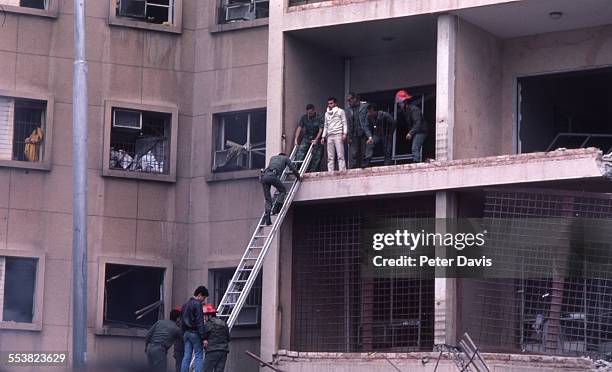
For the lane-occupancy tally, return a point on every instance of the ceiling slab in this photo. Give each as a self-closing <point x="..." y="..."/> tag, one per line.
<point x="530" y="17"/>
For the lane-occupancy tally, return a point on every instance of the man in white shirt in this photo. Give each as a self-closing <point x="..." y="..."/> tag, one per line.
<point x="334" y="131"/>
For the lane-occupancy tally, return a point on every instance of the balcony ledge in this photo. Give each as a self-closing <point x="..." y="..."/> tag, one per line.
<point x="456" y="174"/>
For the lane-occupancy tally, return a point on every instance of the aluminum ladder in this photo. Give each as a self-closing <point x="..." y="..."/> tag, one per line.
<point x="252" y="260"/>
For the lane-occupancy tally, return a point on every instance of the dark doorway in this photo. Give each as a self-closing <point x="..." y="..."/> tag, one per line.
<point x="425" y="98"/>
<point x="570" y="110"/>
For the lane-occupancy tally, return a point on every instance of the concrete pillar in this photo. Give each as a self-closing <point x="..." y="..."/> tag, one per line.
<point x="445" y="307"/>
<point x="445" y="86"/>
<point x="270" y="319"/>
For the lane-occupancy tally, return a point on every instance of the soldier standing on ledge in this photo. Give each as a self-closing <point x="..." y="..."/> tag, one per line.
<point x="309" y="132"/>
<point x="412" y="117"/>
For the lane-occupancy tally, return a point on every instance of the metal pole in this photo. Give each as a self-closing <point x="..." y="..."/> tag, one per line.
<point x="79" y="190"/>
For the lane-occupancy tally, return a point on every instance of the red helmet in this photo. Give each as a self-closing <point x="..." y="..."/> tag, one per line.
<point x="401" y="96"/>
<point x="209" y="309"/>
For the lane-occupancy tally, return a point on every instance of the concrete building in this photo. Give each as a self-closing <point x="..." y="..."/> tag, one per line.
<point x="187" y="100"/>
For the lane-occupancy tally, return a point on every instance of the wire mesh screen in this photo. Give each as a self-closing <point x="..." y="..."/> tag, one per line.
<point x="568" y="309"/>
<point x="336" y="307"/>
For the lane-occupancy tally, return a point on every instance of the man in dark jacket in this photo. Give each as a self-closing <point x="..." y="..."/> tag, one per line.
<point x="179" y="345"/>
<point x="193" y="326"/>
<point x="163" y="334"/>
<point x="271" y="177"/>
<point x="216" y="341"/>
<point x="412" y="117"/>
<point x="356" y="113"/>
<point x="381" y="126"/>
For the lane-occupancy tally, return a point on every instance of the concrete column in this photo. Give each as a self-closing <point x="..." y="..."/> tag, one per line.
<point x="270" y="319"/>
<point x="445" y="308"/>
<point x="445" y="86"/>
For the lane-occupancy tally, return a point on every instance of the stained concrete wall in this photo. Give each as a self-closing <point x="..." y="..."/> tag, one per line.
<point x="384" y="72"/>
<point x="230" y="74"/>
<point x="544" y="54"/>
<point x="195" y="223"/>
<point x="311" y="76"/>
<point x="127" y="219"/>
<point x="478" y="72"/>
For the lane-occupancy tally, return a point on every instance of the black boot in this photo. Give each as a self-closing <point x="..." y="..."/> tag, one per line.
<point x="277" y="208"/>
<point x="267" y="219"/>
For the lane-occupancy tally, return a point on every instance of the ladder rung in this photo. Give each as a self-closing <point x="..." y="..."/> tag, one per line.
<point x="233" y="292"/>
<point x="251" y="258"/>
<point x="255" y="247"/>
<point x="245" y="269"/>
<point x="260" y="236"/>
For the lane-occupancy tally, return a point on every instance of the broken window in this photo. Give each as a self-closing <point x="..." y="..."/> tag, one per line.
<point x="37" y="4"/>
<point x="152" y="11"/>
<point x="133" y="295"/>
<point x="240" y="141"/>
<point x="140" y="141"/>
<point x="565" y="110"/>
<point x="17" y="288"/>
<point x="243" y="10"/>
<point x="561" y="300"/>
<point x="22" y="129"/>
<point x="250" y="315"/>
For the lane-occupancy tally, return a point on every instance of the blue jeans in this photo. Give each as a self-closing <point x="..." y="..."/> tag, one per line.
<point x="193" y="343"/>
<point x="417" y="145"/>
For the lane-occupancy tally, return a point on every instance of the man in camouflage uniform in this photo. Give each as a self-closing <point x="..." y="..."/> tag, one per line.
<point x="380" y="128"/>
<point x="309" y="132"/>
<point x="163" y="334"/>
<point x="356" y="113"/>
<point x="271" y="177"/>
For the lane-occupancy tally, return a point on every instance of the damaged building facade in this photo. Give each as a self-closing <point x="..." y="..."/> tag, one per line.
<point x="187" y="100"/>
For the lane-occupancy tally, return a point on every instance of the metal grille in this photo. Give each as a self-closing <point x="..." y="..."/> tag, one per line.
<point x="336" y="307"/>
<point x="142" y="150"/>
<point x="29" y="116"/>
<point x="568" y="310"/>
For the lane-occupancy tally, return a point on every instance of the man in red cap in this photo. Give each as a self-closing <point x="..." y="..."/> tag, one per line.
<point x="411" y="116"/>
<point x="216" y="340"/>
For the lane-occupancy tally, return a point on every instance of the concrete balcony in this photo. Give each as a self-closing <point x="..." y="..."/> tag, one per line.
<point x="560" y="165"/>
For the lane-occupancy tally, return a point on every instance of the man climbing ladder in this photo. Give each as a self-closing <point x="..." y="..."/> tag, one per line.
<point x="271" y="177"/>
<point x="276" y="174"/>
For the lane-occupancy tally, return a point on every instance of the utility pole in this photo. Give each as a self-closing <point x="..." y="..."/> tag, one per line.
<point x="79" y="190"/>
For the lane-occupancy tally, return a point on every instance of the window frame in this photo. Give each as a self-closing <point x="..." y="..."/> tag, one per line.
<point x="219" y="138"/>
<point x="51" y="10"/>
<point x="106" y="330"/>
<point x="176" y="12"/>
<point x="223" y="5"/>
<point x="173" y="138"/>
<point x="37" y="319"/>
<point x="212" y="280"/>
<point x="45" y="164"/>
